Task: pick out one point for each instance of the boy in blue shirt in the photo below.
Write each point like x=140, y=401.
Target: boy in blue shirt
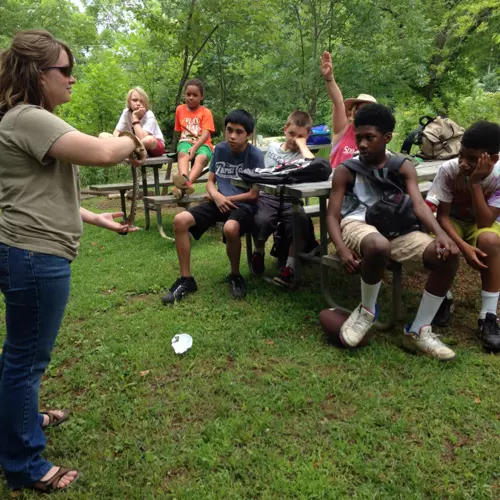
x=227, y=203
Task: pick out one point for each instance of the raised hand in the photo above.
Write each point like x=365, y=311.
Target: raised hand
x=326, y=66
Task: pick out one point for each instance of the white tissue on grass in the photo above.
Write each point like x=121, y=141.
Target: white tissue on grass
x=182, y=342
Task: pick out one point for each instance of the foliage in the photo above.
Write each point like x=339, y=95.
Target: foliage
x=264, y=56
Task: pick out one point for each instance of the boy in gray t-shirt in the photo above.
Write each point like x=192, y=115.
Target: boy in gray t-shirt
x=270, y=209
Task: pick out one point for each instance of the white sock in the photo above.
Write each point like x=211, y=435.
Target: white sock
x=369, y=294
x=427, y=309
x=489, y=303
x=290, y=262
x=449, y=295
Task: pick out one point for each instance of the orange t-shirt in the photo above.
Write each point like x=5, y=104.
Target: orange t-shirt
x=192, y=123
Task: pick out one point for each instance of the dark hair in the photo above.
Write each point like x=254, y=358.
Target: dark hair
x=196, y=83
x=20, y=66
x=241, y=117
x=483, y=135
x=375, y=115
x=299, y=119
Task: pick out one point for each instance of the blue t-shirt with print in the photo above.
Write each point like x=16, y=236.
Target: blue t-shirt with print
x=227, y=165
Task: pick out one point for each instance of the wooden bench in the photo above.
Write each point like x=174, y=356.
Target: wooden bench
x=157, y=202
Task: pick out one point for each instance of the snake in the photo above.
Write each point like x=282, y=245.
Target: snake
x=136, y=155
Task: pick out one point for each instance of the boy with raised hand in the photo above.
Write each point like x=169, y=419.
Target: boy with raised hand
x=467, y=192
x=226, y=203
x=363, y=249
x=271, y=209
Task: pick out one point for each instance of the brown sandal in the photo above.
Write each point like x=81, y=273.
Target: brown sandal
x=54, y=420
x=50, y=485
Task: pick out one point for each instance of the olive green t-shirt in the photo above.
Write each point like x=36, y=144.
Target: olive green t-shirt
x=39, y=195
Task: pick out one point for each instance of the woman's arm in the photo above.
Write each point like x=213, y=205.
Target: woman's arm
x=81, y=149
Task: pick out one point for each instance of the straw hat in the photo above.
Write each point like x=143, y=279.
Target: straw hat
x=362, y=98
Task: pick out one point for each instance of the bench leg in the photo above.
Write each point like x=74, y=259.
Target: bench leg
x=322, y=227
x=397, y=287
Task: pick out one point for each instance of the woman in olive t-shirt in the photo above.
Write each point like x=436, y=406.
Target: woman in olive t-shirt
x=40, y=228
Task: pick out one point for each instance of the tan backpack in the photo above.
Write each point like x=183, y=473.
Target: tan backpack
x=438, y=138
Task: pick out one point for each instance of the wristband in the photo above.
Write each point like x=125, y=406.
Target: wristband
x=331, y=80
x=135, y=123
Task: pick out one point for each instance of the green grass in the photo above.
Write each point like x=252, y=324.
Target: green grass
x=261, y=406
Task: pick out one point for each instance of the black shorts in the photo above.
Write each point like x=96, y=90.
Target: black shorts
x=207, y=214
x=266, y=218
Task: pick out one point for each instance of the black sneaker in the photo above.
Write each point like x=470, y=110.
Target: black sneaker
x=257, y=264
x=488, y=333
x=237, y=284
x=286, y=276
x=179, y=289
x=443, y=315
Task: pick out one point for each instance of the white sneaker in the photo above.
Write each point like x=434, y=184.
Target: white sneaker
x=427, y=342
x=356, y=326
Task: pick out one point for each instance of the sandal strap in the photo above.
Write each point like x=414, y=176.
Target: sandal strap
x=51, y=483
x=53, y=418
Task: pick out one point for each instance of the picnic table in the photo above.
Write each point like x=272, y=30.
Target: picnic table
x=155, y=202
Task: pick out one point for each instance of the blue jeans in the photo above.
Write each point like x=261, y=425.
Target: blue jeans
x=36, y=290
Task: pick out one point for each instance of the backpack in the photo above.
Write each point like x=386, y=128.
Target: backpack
x=438, y=138
x=320, y=134
x=303, y=170
x=393, y=214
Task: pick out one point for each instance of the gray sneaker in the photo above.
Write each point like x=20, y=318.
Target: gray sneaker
x=426, y=342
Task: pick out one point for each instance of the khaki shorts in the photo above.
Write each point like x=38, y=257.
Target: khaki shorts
x=407, y=249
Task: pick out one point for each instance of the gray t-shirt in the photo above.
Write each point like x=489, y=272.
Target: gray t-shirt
x=276, y=156
x=39, y=196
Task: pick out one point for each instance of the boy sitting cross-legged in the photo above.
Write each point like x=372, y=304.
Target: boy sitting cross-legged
x=363, y=249
x=227, y=203
x=271, y=209
x=467, y=191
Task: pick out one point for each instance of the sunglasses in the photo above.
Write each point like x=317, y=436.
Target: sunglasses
x=67, y=71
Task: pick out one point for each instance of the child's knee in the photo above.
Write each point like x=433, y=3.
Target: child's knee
x=375, y=246
x=232, y=230
x=488, y=242
x=149, y=142
x=183, y=221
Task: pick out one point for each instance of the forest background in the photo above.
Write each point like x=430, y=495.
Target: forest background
x=417, y=56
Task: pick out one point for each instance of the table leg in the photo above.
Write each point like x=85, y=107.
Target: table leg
x=298, y=242
x=322, y=226
x=144, y=177
x=123, y=203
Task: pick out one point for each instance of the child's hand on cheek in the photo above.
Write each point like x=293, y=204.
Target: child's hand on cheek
x=300, y=141
x=139, y=113
x=482, y=170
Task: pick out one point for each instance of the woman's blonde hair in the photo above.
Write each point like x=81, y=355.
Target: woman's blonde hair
x=142, y=94
x=20, y=66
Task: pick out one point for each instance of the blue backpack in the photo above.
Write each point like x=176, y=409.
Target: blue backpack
x=320, y=134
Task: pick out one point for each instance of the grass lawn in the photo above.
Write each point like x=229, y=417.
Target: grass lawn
x=261, y=406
